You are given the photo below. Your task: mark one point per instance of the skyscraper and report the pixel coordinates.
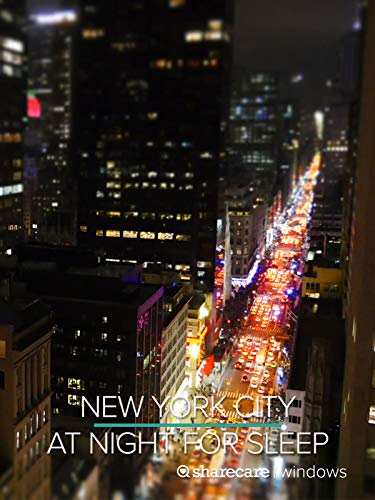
(49, 184)
(150, 98)
(357, 433)
(254, 130)
(12, 88)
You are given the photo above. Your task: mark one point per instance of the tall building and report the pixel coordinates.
(327, 217)
(49, 183)
(173, 362)
(357, 433)
(150, 101)
(254, 130)
(25, 399)
(12, 120)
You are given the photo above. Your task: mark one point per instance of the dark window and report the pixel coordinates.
(2, 380)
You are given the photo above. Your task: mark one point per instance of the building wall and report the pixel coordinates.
(13, 90)
(327, 283)
(247, 237)
(357, 434)
(25, 406)
(49, 180)
(173, 353)
(148, 179)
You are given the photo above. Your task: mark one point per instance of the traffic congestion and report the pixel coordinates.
(260, 357)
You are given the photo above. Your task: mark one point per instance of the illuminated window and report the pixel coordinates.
(183, 217)
(152, 116)
(104, 319)
(213, 35)
(371, 414)
(115, 194)
(92, 33)
(130, 234)
(163, 185)
(99, 232)
(75, 383)
(11, 44)
(166, 216)
(100, 194)
(74, 400)
(113, 233)
(114, 214)
(189, 186)
(193, 36)
(175, 4)
(113, 185)
(202, 263)
(11, 58)
(18, 440)
(129, 215)
(104, 336)
(83, 229)
(183, 237)
(165, 236)
(215, 24)
(146, 235)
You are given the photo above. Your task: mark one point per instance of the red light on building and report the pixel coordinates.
(34, 107)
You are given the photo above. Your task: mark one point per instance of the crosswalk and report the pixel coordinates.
(233, 415)
(229, 394)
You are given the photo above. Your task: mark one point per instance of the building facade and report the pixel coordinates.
(150, 100)
(254, 130)
(12, 120)
(173, 348)
(49, 182)
(357, 432)
(25, 399)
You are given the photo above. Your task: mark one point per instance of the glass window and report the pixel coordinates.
(146, 235)
(130, 234)
(112, 233)
(165, 236)
(75, 383)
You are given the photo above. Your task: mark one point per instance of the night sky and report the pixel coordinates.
(291, 35)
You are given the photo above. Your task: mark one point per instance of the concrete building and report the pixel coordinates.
(173, 348)
(50, 203)
(321, 279)
(248, 229)
(25, 399)
(357, 433)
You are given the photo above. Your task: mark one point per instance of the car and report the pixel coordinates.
(254, 382)
(245, 378)
(238, 365)
(266, 373)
